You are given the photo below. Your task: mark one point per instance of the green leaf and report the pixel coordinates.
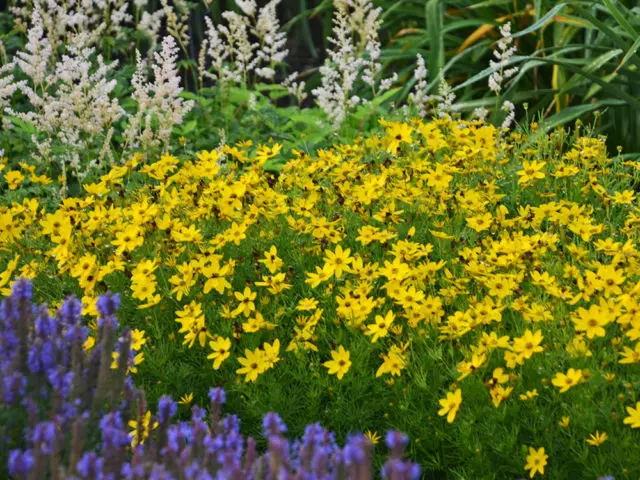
(434, 14)
(571, 113)
(23, 126)
(541, 22)
(621, 19)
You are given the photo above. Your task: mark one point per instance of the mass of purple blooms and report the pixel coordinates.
(65, 413)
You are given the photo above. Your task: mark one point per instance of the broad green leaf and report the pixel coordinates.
(434, 19)
(541, 22)
(571, 113)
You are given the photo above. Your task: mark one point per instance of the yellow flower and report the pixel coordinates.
(565, 381)
(631, 355)
(381, 326)
(531, 171)
(246, 302)
(339, 363)
(634, 416)
(529, 395)
(141, 429)
(253, 364)
(306, 304)
(13, 178)
(186, 399)
(528, 344)
(271, 260)
(450, 405)
(373, 436)
(597, 439)
(338, 261)
(480, 222)
(128, 239)
(564, 422)
(536, 461)
(221, 351)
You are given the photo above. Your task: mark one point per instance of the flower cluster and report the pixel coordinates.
(45, 373)
(355, 55)
(363, 263)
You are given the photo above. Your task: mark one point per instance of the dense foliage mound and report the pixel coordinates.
(476, 290)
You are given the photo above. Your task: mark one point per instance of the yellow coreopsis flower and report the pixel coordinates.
(450, 405)
(381, 326)
(536, 461)
(271, 260)
(13, 178)
(253, 364)
(531, 171)
(634, 416)
(221, 351)
(141, 429)
(597, 439)
(480, 222)
(338, 261)
(246, 302)
(565, 381)
(339, 363)
(373, 436)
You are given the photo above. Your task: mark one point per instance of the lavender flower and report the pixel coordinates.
(97, 416)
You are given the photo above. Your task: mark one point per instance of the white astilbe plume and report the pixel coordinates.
(446, 99)
(70, 103)
(248, 7)
(272, 49)
(510, 109)
(217, 50)
(63, 20)
(150, 25)
(158, 102)
(7, 86)
(241, 48)
(354, 55)
(339, 72)
(480, 114)
(503, 54)
(418, 97)
(251, 43)
(34, 61)
(177, 20)
(295, 88)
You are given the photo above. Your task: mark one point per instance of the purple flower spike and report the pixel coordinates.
(20, 463)
(218, 395)
(272, 424)
(396, 440)
(22, 290)
(167, 409)
(108, 304)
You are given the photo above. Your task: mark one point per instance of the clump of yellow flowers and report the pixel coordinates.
(506, 251)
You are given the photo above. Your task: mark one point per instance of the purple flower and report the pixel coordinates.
(44, 434)
(354, 450)
(22, 290)
(167, 409)
(20, 463)
(13, 387)
(108, 304)
(61, 381)
(71, 311)
(90, 466)
(396, 440)
(217, 395)
(272, 424)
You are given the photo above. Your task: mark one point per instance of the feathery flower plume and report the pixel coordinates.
(158, 101)
(503, 55)
(355, 55)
